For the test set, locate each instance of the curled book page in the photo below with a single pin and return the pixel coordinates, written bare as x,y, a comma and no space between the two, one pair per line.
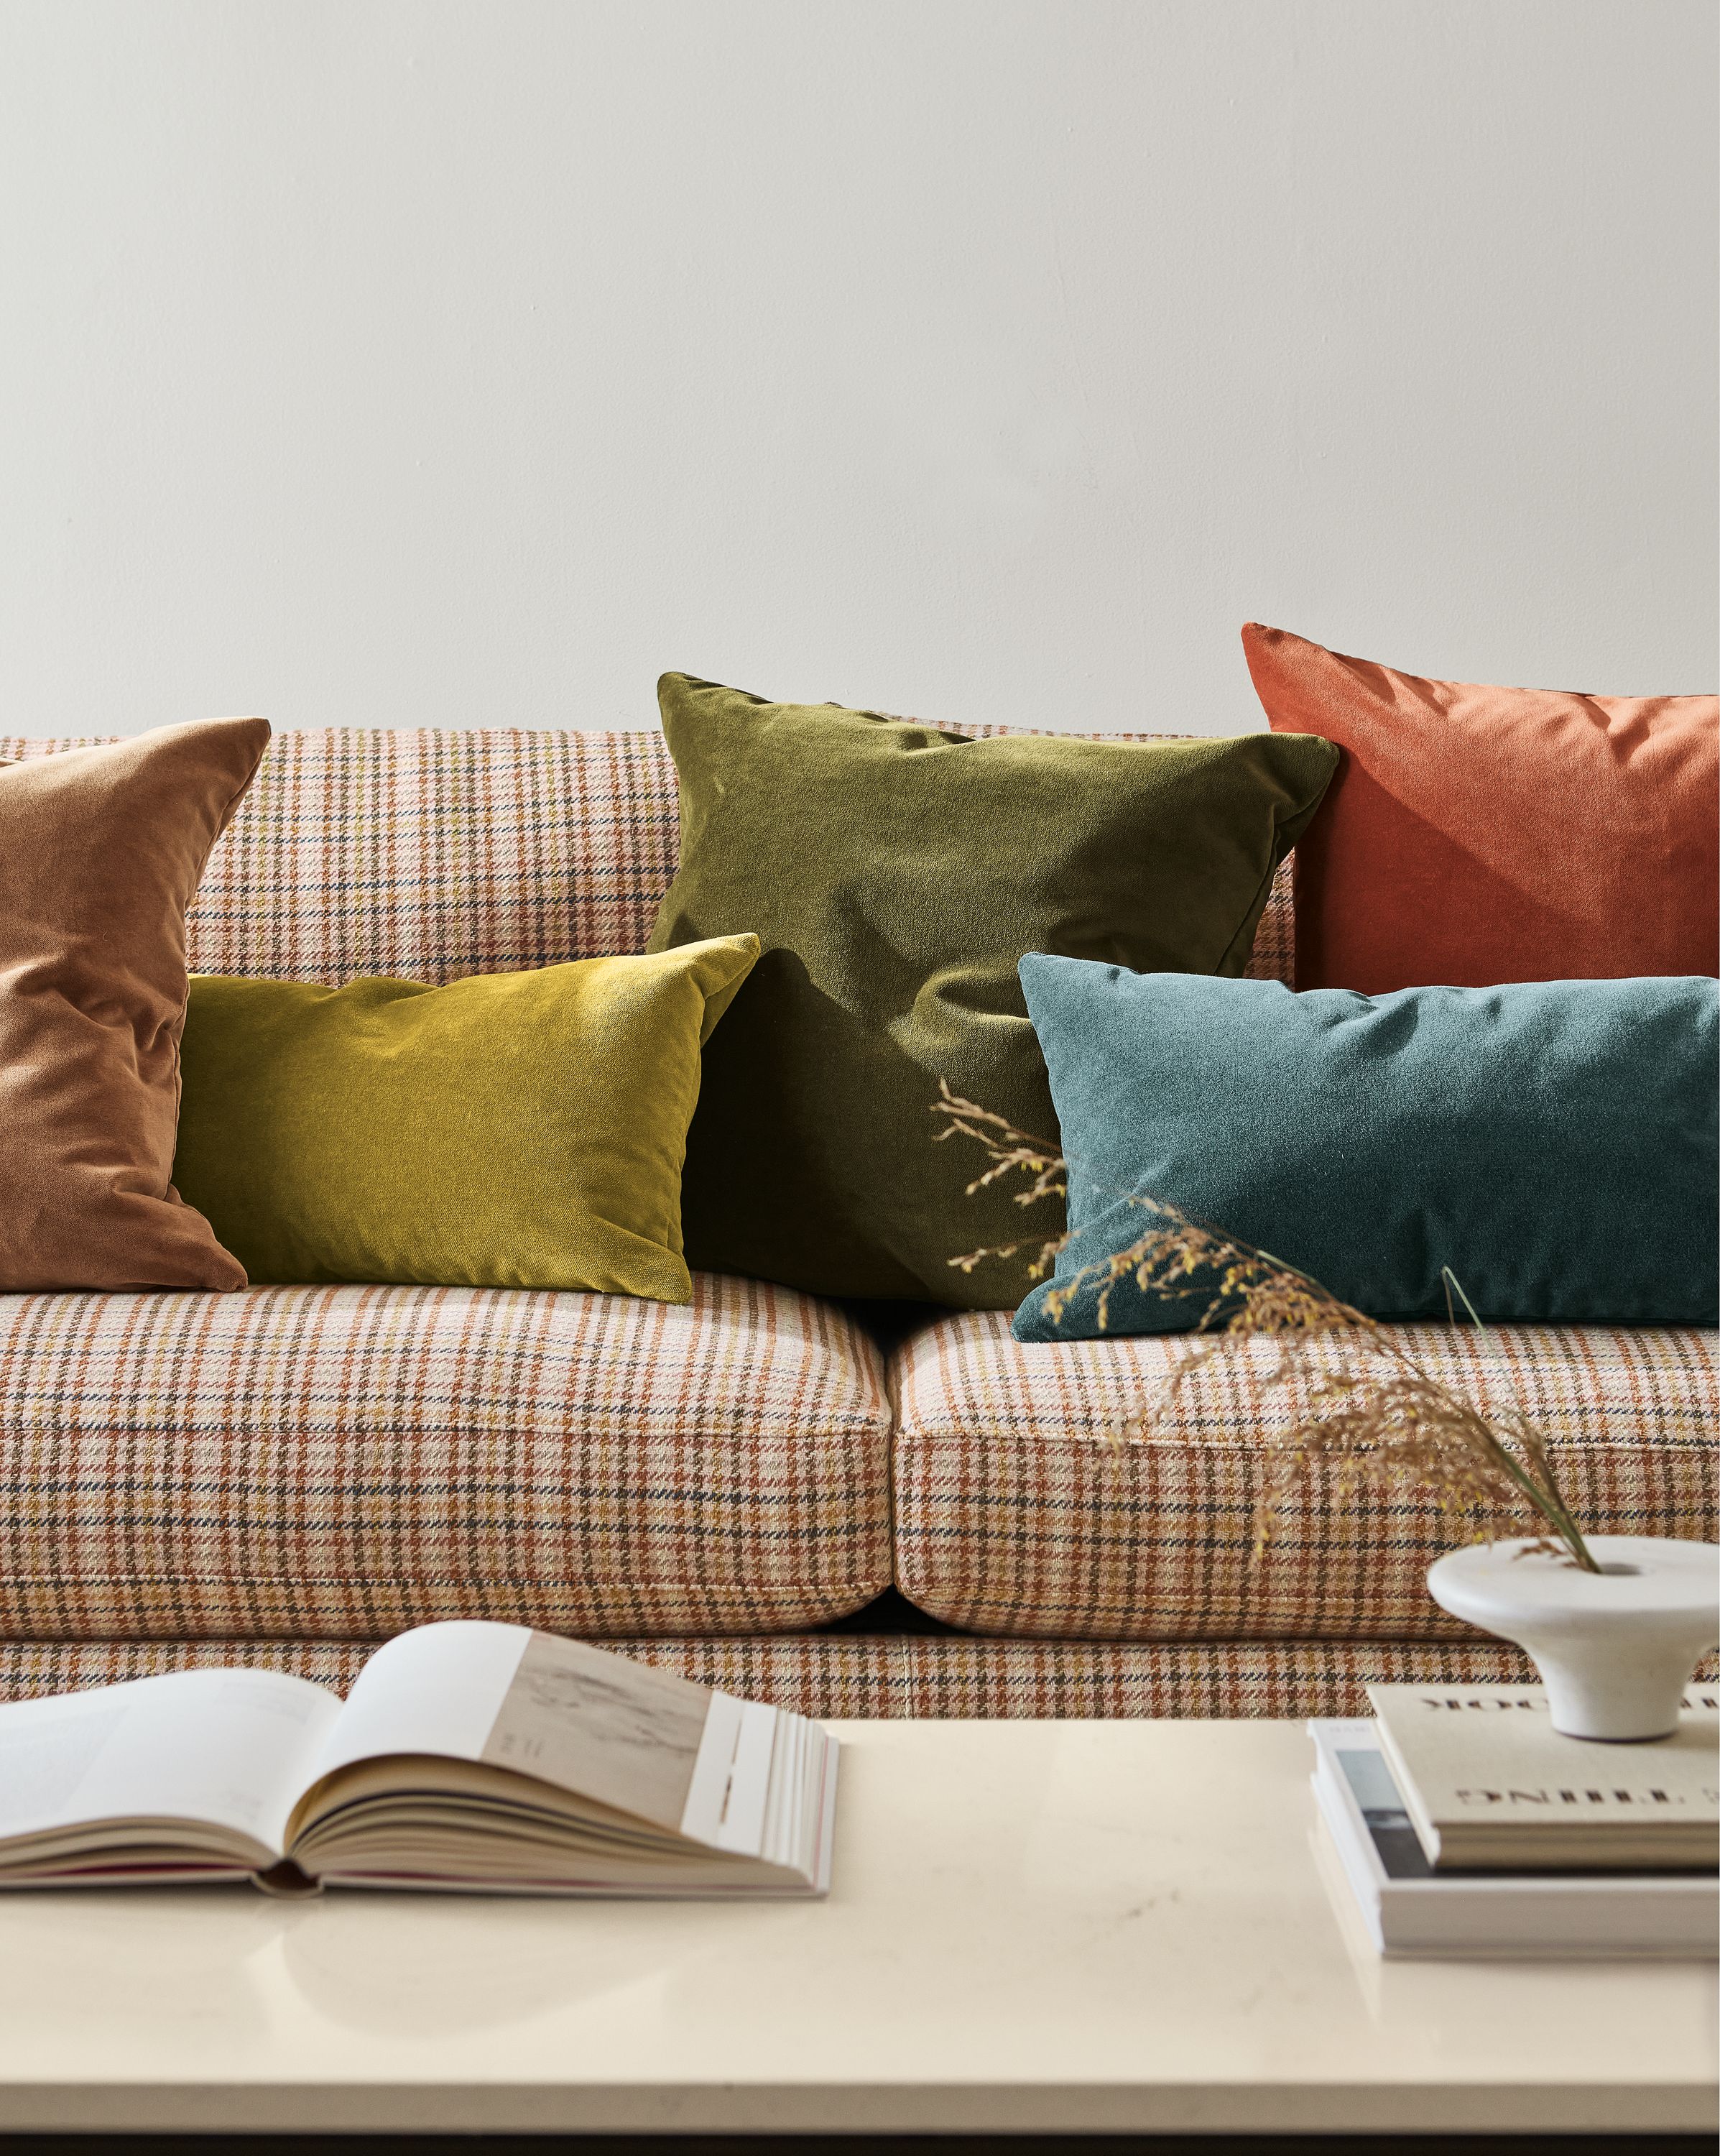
606,1728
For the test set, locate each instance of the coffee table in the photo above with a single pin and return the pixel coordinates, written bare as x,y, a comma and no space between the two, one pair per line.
1035,1927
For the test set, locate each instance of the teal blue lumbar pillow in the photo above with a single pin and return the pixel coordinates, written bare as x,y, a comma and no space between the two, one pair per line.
1553,1143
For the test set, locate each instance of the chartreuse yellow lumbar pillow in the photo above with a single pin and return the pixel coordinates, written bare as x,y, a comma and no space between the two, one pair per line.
513,1130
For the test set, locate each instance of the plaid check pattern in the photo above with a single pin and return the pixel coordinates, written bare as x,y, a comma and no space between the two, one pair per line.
343,1461
427,855
1016,1513
287,1476
863,1677
890,1677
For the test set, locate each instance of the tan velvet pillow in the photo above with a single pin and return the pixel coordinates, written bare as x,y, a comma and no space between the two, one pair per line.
100,854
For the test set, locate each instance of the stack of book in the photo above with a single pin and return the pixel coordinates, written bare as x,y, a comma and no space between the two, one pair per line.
1465,1825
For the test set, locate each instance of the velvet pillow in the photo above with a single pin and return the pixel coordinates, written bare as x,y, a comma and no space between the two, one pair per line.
510,1130
1553,1143
100,853
1476,835
894,876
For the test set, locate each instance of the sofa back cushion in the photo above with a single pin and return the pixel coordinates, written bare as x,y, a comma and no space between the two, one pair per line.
429,855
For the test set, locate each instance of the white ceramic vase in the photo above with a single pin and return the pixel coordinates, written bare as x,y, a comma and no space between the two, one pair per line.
1614,1649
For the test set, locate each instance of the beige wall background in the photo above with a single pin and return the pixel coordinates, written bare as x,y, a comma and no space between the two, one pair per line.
461,362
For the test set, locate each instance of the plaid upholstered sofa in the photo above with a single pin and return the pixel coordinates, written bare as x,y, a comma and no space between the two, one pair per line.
888,1512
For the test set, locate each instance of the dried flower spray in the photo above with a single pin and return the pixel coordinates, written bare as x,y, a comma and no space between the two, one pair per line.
1373,1412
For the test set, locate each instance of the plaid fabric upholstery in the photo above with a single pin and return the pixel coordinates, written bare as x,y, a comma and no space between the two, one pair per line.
429,855
343,1461
864,1678
1015,1514
1273,958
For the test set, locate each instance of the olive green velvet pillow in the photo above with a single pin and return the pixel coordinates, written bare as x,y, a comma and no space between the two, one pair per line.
513,1130
896,876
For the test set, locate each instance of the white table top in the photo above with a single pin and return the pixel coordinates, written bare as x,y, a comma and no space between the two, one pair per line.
1044,1925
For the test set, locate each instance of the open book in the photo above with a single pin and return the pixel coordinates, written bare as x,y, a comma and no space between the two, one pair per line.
468,1757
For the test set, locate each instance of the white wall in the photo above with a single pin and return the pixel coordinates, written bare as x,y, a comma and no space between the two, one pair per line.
459,363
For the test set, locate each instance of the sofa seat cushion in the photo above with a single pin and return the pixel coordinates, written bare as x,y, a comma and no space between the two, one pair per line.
1015,1512
340,1462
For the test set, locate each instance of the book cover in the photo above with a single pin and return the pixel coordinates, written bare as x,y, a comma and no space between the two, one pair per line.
1489,1782
1372,1860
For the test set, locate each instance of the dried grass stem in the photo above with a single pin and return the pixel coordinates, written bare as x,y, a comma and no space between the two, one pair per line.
1372,1411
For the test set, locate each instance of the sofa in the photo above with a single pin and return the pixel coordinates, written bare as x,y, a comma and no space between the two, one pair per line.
850,1510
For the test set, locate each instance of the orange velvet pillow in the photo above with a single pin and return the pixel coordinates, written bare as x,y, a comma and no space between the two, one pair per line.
1476,835
100,852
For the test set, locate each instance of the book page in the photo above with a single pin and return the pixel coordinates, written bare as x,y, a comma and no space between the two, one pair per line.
577,1716
435,1689
227,1748
604,1727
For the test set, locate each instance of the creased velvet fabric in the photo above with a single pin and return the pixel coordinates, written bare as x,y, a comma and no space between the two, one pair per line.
101,850
520,1130
894,876
1475,835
